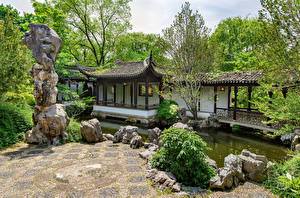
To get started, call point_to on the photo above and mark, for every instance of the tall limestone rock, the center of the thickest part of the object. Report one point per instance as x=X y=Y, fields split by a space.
x=50 y=119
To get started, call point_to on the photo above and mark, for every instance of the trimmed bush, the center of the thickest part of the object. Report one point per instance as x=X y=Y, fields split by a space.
x=284 y=178
x=183 y=154
x=73 y=130
x=168 y=110
x=15 y=120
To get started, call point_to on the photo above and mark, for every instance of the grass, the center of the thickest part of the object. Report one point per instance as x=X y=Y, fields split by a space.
x=284 y=178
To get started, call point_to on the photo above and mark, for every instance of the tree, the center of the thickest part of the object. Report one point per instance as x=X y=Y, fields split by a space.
x=237 y=42
x=187 y=45
x=15 y=62
x=96 y=26
x=280 y=62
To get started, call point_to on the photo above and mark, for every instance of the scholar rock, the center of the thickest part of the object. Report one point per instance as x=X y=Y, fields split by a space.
x=50 y=119
x=182 y=126
x=91 y=131
x=211 y=162
x=124 y=134
x=182 y=114
x=163 y=180
x=236 y=165
x=223 y=179
x=153 y=135
x=136 y=141
x=109 y=136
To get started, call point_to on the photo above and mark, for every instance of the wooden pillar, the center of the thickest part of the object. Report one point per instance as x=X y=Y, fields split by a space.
x=97 y=92
x=147 y=94
x=135 y=89
x=131 y=94
x=215 y=99
x=249 y=98
x=115 y=94
x=235 y=102
x=229 y=98
x=104 y=94
x=284 y=92
x=124 y=89
x=160 y=87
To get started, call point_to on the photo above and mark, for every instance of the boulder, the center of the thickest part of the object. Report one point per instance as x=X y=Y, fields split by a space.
x=124 y=134
x=295 y=141
x=253 y=166
x=108 y=136
x=223 y=179
x=163 y=180
x=211 y=162
x=182 y=114
x=287 y=138
x=91 y=131
x=153 y=135
x=236 y=165
x=136 y=141
x=35 y=137
x=182 y=126
x=147 y=154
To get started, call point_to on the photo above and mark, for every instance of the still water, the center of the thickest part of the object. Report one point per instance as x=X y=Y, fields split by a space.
x=223 y=143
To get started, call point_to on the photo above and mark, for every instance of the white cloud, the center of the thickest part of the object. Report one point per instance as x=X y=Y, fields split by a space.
x=151 y=16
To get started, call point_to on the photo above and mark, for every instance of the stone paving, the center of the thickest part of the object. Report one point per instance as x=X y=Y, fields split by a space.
x=74 y=171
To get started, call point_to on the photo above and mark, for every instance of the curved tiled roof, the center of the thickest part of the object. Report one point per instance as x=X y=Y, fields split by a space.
x=121 y=70
x=246 y=77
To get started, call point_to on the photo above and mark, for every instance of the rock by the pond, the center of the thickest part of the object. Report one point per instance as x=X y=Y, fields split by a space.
x=182 y=126
x=236 y=165
x=153 y=135
x=108 y=136
x=253 y=166
x=147 y=154
x=211 y=162
x=136 y=141
x=91 y=131
x=128 y=134
x=182 y=114
x=222 y=180
x=124 y=134
x=163 y=180
x=295 y=141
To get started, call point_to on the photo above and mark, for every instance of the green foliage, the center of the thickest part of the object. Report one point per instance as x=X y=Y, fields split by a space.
x=236 y=41
x=284 y=178
x=73 y=130
x=280 y=110
x=183 y=154
x=15 y=120
x=168 y=110
x=78 y=104
x=15 y=61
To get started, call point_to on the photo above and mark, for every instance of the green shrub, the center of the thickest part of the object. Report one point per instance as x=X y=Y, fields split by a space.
x=284 y=178
x=73 y=130
x=15 y=120
x=183 y=154
x=168 y=110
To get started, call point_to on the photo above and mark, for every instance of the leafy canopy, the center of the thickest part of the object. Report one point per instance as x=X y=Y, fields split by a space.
x=187 y=45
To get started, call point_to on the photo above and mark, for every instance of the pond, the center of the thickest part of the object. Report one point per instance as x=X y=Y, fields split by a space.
x=223 y=143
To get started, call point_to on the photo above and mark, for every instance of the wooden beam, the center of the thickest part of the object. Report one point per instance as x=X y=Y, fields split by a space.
x=249 y=98
x=124 y=89
x=215 y=99
x=235 y=102
x=135 y=88
x=115 y=94
x=104 y=93
x=131 y=94
x=97 y=92
x=160 y=87
x=147 y=94
x=229 y=98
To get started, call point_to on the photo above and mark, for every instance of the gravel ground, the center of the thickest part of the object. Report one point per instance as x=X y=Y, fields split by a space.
x=86 y=171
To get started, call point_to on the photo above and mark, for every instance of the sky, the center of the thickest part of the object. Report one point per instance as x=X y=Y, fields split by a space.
x=151 y=16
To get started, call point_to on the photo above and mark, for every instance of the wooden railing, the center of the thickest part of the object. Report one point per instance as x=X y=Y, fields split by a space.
x=243 y=115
